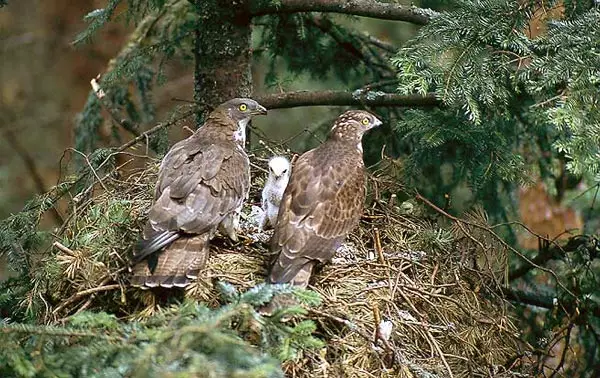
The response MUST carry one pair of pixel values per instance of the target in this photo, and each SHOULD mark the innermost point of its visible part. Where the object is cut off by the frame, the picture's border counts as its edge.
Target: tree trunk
(222, 53)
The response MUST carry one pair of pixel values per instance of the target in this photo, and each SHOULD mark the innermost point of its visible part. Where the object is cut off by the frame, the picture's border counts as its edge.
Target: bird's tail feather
(297, 273)
(146, 247)
(280, 301)
(178, 265)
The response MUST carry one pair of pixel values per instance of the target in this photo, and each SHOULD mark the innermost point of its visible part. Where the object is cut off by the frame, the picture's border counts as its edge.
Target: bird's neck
(346, 142)
(277, 182)
(239, 135)
(221, 127)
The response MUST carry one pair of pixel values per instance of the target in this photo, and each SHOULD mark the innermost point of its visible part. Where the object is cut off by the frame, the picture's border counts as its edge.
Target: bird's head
(242, 109)
(352, 124)
(279, 167)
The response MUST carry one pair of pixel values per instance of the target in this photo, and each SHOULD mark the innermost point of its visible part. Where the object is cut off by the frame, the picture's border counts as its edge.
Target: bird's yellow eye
(243, 107)
(365, 121)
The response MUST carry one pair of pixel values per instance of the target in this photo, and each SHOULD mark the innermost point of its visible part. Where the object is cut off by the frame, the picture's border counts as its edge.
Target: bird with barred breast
(202, 184)
(323, 201)
(279, 175)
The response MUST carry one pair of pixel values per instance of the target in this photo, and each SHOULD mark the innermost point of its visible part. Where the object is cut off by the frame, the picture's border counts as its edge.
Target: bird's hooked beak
(260, 110)
(377, 122)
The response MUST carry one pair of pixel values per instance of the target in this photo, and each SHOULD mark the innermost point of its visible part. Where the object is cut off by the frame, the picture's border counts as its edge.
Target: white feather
(279, 176)
(240, 134)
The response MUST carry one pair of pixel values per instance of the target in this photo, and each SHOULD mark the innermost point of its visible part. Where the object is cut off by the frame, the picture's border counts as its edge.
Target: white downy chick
(279, 175)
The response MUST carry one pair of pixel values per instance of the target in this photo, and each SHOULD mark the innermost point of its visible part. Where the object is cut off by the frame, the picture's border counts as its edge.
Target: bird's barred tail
(178, 265)
(281, 301)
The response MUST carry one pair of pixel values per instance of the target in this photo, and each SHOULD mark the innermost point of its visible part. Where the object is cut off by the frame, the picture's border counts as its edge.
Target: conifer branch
(344, 98)
(378, 62)
(365, 8)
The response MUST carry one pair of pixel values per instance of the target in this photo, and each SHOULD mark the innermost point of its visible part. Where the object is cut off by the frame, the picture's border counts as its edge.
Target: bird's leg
(231, 224)
(226, 227)
(262, 221)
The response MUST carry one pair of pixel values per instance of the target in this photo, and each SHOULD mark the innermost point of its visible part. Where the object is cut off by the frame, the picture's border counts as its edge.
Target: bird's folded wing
(320, 206)
(195, 194)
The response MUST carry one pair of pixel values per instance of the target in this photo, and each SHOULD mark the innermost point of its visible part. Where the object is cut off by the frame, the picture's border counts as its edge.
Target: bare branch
(365, 8)
(344, 98)
(114, 113)
(539, 300)
(555, 251)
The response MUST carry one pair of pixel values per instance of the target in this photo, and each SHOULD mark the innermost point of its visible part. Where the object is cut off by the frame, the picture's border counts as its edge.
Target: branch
(354, 43)
(114, 113)
(344, 98)
(489, 230)
(365, 8)
(556, 251)
(532, 299)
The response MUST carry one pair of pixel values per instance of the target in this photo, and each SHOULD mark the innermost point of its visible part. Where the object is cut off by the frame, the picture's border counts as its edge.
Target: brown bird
(323, 201)
(202, 184)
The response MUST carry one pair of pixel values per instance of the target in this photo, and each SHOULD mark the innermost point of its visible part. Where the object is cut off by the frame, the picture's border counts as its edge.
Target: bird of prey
(202, 184)
(279, 175)
(323, 201)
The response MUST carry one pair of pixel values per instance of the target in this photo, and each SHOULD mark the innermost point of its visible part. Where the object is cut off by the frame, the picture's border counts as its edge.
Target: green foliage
(515, 107)
(468, 61)
(567, 67)
(163, 30)
(343, 53)
(183, 339)
(19, 233)
(480, 156)
(88, 124)
(96, 19)
(504, 94)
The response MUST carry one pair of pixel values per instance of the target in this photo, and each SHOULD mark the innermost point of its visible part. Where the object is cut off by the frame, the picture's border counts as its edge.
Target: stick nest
(432, 285)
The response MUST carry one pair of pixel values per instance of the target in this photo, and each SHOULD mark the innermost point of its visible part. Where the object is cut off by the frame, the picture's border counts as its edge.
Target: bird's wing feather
(321, 204)
(195, 195)
(189, 163)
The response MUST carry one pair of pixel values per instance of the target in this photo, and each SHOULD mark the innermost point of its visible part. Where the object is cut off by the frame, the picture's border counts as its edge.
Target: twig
(532, 299)
(31, 166)
(153, 130)
(564, 352)
(381, 44)
(83, 293)
(114, 113)
(63, 248)
(353, 327)
(497, 238)
(91, 167)
(439, 351)
(354, 45)
(258, 167)
(377, 244)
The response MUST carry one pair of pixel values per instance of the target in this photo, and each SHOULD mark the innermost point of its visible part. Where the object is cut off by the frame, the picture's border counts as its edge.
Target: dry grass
(397, 267)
